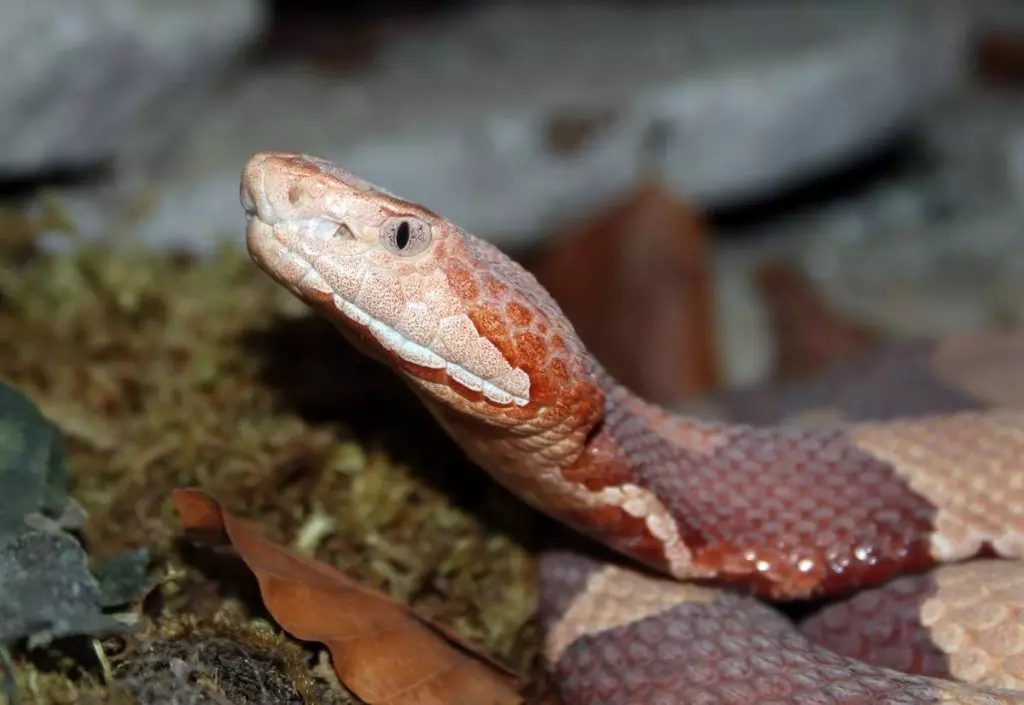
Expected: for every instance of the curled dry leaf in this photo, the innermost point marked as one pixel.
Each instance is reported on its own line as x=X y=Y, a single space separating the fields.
x=382 y=651
x=810 y=334
x=636 y=282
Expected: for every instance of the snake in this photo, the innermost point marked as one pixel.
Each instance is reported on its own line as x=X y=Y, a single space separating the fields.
x=908 y=528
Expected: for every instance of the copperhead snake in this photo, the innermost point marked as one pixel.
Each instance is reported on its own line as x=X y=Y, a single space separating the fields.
x=912 y=515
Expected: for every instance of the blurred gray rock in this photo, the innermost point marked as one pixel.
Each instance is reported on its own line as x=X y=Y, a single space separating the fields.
x=942 y=250
x=513 y=119
x=87 y=81
x=47 y=592
x=928 y=251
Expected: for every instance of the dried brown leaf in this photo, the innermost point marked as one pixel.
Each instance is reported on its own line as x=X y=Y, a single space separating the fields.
x=811 y=335
x=636 y=282
x=382 y=651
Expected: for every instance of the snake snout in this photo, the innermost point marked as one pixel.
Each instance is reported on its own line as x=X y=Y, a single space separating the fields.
x=248 y=202
x=253 y=191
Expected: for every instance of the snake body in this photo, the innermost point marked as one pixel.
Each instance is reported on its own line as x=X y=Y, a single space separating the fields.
x=911 y=512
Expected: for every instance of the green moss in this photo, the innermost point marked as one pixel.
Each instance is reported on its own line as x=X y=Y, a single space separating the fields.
x=163 y=372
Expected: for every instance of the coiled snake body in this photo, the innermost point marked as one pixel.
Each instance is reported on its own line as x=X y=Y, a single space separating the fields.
x=913 y=511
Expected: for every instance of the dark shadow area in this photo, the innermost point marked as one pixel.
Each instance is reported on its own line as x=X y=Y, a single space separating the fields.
x=315 y=372
x=22 y=186
x=328 y=10
x=902 y=155
x=342 y=36
x=225 y=571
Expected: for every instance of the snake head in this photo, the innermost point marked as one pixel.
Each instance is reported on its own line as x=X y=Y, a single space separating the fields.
x=468 y=328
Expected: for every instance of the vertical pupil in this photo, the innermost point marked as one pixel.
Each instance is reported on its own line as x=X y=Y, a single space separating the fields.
x=402 y=235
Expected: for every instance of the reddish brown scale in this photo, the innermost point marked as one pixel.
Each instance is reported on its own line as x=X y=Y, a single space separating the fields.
x=627 y=533
x=784 y=580
x=461 y=281
x=491 y=326
x=600 y=467
x=882 y=626
x=533 y=352
x=518 y=314
x=527 y=351
x=464 y=391
x=594 y=480
x=531 y=356
x=586 y=403
x=887 y=562
x=559 y=371
x=495 y=288
x=515 y=315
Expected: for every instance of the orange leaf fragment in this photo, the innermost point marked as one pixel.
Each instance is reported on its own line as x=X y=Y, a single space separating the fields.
x=382 y=651
x=636 y=282
x=810 y=334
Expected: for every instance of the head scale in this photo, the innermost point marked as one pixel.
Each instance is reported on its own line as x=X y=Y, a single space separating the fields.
x=472 y=332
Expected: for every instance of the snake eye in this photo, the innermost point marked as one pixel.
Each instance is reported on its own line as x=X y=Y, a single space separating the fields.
x=405 y=235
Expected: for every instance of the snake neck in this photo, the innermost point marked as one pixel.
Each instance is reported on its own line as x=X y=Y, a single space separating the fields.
x=787 y=513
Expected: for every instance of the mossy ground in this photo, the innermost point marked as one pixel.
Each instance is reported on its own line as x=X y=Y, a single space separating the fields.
x=166 y=371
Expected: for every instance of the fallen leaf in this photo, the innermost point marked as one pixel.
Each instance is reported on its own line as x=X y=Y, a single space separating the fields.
x=382 y=651
x=811 y=336
x=636 y=283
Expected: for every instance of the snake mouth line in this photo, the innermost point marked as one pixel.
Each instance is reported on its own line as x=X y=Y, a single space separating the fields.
x=311 y=285
x=422 y=356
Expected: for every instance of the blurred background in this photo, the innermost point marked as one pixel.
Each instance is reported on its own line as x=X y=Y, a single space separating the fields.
x=663 y=151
